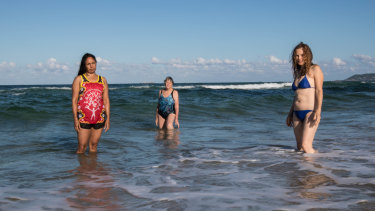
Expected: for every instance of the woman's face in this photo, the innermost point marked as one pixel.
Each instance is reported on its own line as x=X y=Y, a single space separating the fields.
x=299 y=57
x=90 y=65
x=168 y=84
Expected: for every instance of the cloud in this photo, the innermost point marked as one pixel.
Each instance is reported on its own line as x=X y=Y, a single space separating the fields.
x=104 y=64
x=199 y=69
x=363 y=57
x=202 y=63
x=50 y=66
x=155 y=60
x=7 y=65
x=365 y=60
x=338 y=61
x=102 y=61
x=215 y=69
x=276 y=60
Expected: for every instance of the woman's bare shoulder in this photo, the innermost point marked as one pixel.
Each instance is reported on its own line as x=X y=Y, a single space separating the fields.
x=315 y=66
x=77 y=79
x=315 y=69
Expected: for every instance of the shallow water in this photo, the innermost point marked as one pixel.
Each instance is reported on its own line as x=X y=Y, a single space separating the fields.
x=232 y=152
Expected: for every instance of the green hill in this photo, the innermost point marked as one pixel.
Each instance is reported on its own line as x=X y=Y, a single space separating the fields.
x=362 y=77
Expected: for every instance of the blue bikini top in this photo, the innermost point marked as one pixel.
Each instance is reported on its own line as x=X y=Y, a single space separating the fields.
x=303 y=84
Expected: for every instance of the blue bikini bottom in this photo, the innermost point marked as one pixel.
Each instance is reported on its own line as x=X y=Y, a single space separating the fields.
x=302 y=114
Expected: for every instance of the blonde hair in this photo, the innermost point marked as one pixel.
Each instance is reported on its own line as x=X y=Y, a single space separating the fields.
x=307 y=56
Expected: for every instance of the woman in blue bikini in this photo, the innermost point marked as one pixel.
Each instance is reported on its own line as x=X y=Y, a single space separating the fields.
x=168 y=106
x=304 y=114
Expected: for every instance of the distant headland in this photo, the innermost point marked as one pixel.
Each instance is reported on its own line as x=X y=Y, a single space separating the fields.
x=362 y=77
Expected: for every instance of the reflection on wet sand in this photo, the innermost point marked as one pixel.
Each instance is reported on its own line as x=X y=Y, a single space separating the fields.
x=93 y=187
x=312 y=180
x=170 y=138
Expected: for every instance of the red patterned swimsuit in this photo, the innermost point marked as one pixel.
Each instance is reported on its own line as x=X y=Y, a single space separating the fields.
x=91 y=112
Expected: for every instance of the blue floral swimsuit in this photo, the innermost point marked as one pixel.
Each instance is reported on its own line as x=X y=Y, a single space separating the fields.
x=166 y=105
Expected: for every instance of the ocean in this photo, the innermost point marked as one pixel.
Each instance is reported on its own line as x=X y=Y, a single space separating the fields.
x=233 y=151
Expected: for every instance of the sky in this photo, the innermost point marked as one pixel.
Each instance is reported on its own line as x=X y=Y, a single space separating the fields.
x=143 y=41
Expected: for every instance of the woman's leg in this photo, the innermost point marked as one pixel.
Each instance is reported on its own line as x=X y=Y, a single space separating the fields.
x=298 y=129
x=161 y=121
x=308 y=134
x=94 y=139
x=170 y=121
x=83 y=139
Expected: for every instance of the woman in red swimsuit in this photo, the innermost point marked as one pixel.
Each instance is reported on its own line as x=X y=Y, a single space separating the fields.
x=90 y=105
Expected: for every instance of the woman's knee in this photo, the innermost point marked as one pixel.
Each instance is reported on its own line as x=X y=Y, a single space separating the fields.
x=94 y=145
x=81 y=148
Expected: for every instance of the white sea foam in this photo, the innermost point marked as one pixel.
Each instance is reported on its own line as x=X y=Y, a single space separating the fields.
x=184 y=87
x=36 y=87
x=141 y=87
x=17 y=94
x=113 y=88
x=59 y=88
x=249 y=86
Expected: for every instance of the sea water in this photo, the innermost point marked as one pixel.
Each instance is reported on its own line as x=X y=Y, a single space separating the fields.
x=233 y=151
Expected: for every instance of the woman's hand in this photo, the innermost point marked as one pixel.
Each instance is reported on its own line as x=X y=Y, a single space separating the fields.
x=289 y=120
x=177 y=123
x=106 y=125
x=77 y=126
x=316 y=117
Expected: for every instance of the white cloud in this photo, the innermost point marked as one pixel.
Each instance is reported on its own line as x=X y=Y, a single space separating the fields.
x=338 y=61
x=199 y=69
x=363 y=57
x=155 y=60
x=102 y=61
x=51 y=65
x=104 y=64
x=275 y=60
x=199 y=62
x=7 y=65
x=365 y=60
x=214 y=69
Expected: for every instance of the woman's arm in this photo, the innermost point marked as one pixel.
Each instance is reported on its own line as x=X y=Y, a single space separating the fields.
x=157 y=111
x=289 y=118
x=107 y=106
x=176 y=107
x=318 y=78
x=75 y=95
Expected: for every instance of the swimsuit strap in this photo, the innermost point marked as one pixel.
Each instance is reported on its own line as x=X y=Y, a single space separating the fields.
x=100 y=79
x=161 y=93
x=84 y=78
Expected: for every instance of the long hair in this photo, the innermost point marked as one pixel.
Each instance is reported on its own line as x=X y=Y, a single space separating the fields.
x=82 y=68
x=307 y=56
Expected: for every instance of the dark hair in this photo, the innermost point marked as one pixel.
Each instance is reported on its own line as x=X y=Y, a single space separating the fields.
x=169 y=78
x=82 y=68
x=308 y=57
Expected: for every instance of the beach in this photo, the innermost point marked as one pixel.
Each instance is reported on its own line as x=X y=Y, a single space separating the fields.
x=233 y=150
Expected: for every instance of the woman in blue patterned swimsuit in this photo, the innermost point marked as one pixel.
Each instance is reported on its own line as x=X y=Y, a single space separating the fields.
x=168 y=106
